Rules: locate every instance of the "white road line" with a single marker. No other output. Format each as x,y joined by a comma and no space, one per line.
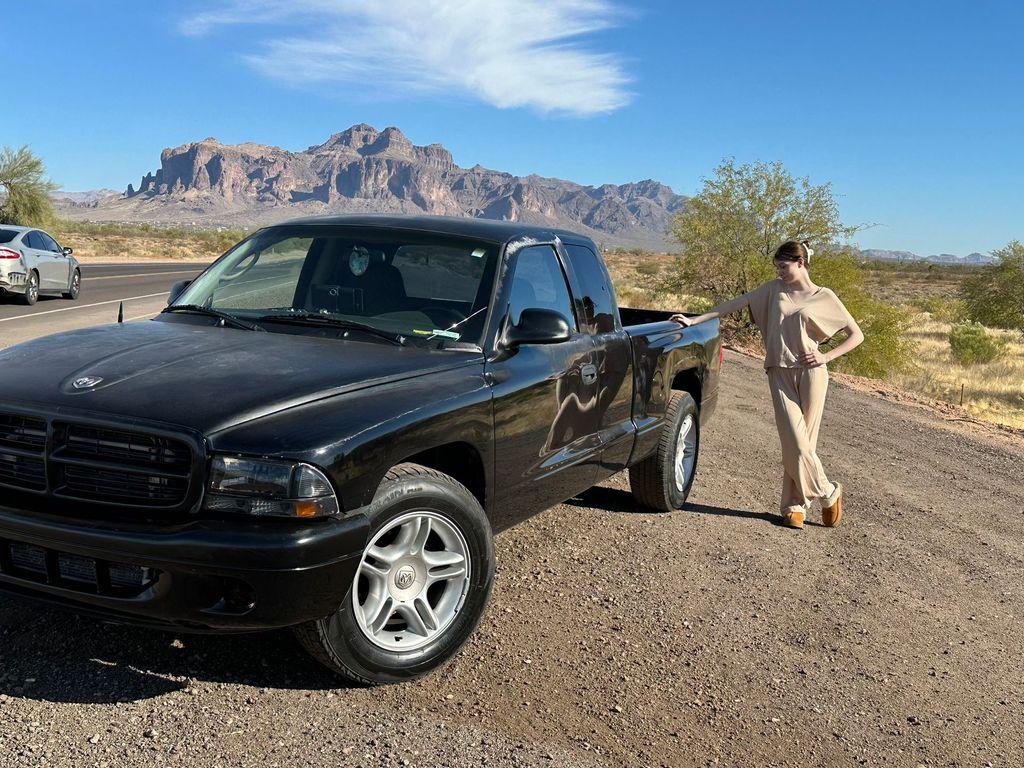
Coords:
87,279
82,306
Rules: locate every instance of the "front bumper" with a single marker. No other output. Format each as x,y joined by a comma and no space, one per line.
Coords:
205,575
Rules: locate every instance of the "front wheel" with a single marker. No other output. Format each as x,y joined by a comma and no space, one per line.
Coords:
75,287
663,480
423,582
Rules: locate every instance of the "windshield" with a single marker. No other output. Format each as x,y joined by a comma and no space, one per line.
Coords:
414,284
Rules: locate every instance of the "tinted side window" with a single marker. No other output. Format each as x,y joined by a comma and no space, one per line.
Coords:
540,283
6,235
48,243
598,299
33,240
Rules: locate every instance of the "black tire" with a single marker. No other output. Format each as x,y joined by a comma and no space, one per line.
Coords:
653,480
31,295
339,641
76,286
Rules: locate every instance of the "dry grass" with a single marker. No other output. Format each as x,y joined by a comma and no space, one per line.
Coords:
991,391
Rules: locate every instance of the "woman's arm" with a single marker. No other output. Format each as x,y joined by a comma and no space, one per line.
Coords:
854,337
725,308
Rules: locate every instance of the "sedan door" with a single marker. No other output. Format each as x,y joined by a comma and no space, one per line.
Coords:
60,264
39,259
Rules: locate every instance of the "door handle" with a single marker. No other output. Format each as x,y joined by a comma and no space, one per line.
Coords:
588,373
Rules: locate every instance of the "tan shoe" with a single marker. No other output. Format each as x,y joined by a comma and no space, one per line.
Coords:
793,518
833,513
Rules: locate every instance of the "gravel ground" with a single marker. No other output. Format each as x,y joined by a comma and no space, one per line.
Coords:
710,636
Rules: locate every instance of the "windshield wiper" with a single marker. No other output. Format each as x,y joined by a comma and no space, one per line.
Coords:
314,318
226,318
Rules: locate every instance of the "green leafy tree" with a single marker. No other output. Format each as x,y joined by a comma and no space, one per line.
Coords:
995,295
25,190
731,228
730,231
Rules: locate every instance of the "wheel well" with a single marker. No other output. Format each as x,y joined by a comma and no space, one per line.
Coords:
689,381
459,460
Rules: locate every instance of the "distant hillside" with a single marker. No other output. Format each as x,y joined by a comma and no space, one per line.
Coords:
942,258
207,183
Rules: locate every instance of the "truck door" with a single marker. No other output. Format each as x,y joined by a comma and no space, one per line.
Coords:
613,354
545,397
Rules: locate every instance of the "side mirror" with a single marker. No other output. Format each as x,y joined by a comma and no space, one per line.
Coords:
537,326
177,289
67,251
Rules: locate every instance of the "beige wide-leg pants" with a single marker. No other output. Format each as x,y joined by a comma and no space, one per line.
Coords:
798,395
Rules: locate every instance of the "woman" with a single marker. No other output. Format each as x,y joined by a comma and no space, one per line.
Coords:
794,316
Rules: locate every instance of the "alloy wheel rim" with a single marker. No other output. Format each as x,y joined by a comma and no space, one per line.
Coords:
686,452
33,287
76,281
412,581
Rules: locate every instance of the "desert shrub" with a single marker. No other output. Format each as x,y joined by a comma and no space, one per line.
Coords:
648,269
970,343
995,295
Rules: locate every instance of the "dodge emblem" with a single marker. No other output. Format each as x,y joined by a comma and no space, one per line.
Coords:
405,577
86,382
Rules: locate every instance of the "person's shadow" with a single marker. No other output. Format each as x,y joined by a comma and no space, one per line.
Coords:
617,500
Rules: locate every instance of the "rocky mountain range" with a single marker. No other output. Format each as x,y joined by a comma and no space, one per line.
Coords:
972,259
360,169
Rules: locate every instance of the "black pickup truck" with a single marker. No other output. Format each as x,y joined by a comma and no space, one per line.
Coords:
323,429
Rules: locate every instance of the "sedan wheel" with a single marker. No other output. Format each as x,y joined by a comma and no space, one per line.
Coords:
76,286
31,294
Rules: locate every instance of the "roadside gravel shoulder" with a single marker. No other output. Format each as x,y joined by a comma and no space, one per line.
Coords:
618,636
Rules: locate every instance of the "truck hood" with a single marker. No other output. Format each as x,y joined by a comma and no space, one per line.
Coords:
198,376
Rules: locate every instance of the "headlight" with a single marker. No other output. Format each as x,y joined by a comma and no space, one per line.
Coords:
267,487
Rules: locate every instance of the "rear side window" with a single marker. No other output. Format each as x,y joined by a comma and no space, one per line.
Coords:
6,235
598,298
33,240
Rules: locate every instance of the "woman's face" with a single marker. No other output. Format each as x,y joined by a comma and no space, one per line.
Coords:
788,271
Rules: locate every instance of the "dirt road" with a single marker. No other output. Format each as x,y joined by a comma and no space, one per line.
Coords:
617,637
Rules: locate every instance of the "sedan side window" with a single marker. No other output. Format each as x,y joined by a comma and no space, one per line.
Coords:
539,283
48,243
33,240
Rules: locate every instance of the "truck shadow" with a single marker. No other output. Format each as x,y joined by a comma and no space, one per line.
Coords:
617,500
52,655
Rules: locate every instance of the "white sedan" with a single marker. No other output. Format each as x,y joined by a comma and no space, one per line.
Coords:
32,263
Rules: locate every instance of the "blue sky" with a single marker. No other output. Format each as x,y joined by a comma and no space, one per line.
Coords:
912,110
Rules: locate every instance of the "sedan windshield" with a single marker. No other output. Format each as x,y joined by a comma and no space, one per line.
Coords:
406,285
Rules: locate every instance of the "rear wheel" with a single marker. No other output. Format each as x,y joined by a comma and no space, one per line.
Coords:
76,286
663,480
31,294
423,582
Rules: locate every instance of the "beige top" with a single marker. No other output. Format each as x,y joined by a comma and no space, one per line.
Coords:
791,326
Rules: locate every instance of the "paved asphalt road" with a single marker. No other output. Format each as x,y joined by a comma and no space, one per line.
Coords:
142,287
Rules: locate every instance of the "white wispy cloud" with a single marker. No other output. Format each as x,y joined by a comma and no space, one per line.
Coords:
508,53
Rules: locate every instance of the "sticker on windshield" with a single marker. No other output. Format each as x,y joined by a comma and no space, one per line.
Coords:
479,253
446,334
